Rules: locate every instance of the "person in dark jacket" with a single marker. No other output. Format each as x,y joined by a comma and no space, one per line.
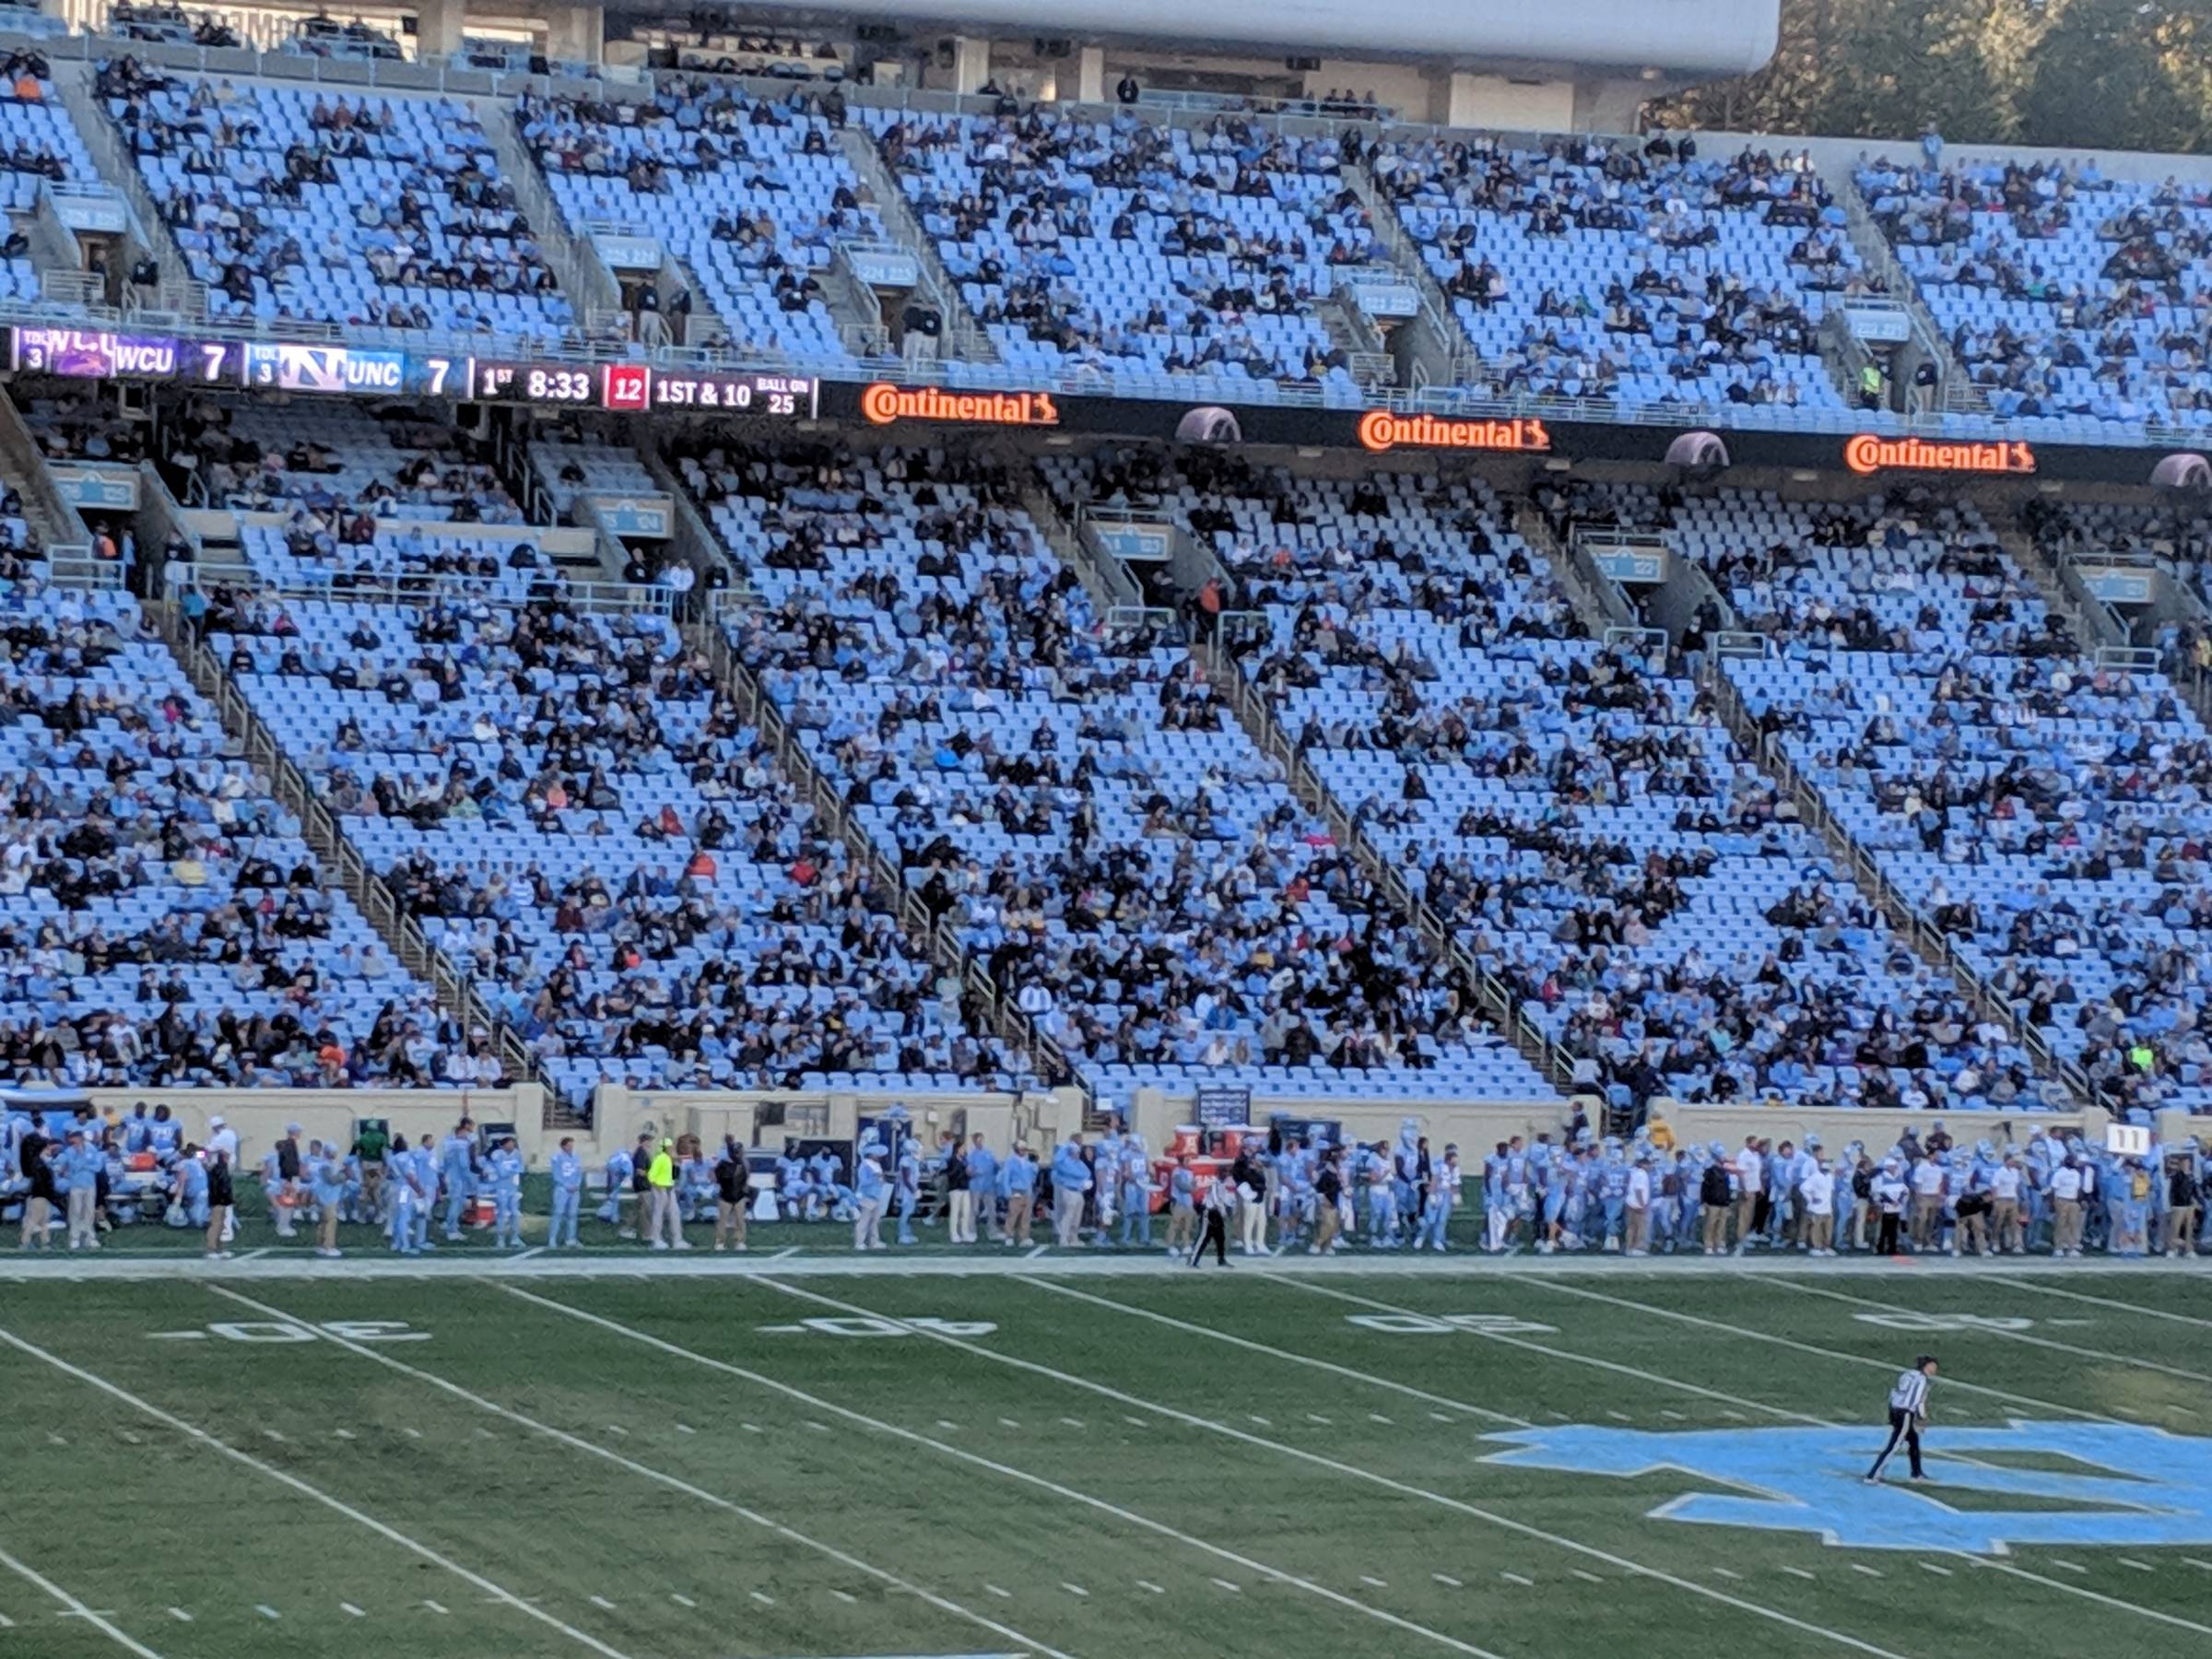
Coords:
959,1194
221,1195
730,1182
36,1154
2182,1196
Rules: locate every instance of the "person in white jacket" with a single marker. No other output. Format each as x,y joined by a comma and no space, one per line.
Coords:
1817,1192
1637,1204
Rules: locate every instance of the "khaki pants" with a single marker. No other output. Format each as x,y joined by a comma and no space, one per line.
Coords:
2180,1231
1325,1223
1639,1231
2066,1224
667,1218
1859,1214
2005,1224
1974,1233
1745,1206
1927,1207
372,1190
1819,1230
84,1217
218,1217
38,1213
1067,1218
1183,1226
1251,1222
1018,1216
326,1228
729,1223
1716,1228
963,1217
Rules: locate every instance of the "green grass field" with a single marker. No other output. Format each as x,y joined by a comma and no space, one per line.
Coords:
808,1466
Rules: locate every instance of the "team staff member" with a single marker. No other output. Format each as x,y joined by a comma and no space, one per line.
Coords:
731,1181
1220,1204
221,1195
1907,1412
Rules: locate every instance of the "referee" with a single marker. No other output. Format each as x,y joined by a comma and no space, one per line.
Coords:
1908,1411
1220,1204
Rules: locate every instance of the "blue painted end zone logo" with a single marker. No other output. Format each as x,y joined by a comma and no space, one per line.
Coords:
2130,1485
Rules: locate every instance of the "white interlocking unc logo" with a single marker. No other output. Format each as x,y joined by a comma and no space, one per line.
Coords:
2086,1483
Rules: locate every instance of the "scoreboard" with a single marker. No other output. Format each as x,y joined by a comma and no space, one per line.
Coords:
374,372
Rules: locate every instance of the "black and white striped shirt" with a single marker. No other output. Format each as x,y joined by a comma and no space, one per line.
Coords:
1911,1394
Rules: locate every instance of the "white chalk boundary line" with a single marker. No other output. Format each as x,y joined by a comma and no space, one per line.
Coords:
1998,1330
1370,1476
123,1639
674,1483
914,1437
2108,1301
283,1477
1084,1263
1989,1563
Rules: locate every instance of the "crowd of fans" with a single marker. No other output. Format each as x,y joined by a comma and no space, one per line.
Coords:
750,194
2064,294
1590,269
1070,793
329,207
1121,247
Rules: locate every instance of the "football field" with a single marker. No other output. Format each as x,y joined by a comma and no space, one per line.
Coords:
1095,1458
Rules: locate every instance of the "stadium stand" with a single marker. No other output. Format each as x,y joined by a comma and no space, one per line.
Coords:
570,807
161,922
1140,257
292,203
752,194
1584,820
1072,796
1588,270
2074,300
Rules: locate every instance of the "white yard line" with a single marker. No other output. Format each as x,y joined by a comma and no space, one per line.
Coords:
1370,1476
1992,1330
1192,1328
2107,1301
339,1506
1888,1366
99,1621
977,1460
576,1442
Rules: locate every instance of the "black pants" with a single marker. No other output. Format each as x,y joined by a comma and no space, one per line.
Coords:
1905,1427
1888,1245
1215,1234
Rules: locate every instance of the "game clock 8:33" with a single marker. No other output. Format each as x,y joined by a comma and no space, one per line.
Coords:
494,382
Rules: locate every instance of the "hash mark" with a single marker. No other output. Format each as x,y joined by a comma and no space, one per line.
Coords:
681,1601
1315,1416
846,1596
1869,1571
1620,1417
1797,1573
180,1615
1440,1417
343,1433
1588,1576
1940,1571
947,1423
351,1611
1446,1578
412,1433
434,1606
1073,1422
1073,1589
751,1427
1149,1584
1262,1422
2071,1567
766,1601
1376,1416
618,1429
1008,1423
817,1427
686,1429
2139,1566
601,1602
1002,1594
272,1434
1369,1578
266,1611
1671,1417
1515,1578
1233,1589
1726,1574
